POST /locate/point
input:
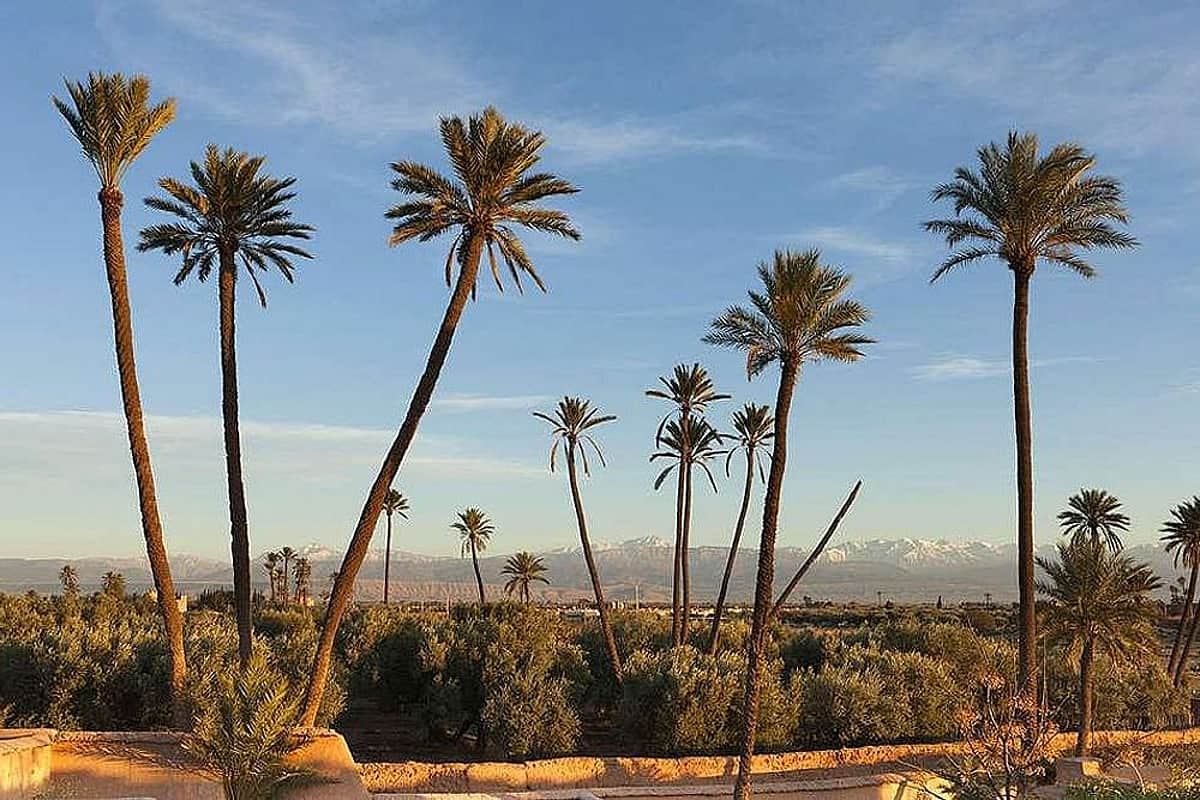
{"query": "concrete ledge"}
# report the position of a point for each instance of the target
(25, 762)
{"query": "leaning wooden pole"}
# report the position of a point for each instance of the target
(816, 552)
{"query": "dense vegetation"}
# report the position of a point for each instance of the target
(514, 680)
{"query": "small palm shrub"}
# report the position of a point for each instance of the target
(244, 735)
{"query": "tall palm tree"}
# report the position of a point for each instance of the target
(753, 426)
(1100, 604)
(475, 530)
(523, 568)
(113, 584)
(393, 503)
(800, 316)
(1094, 514)
(1022, 207)
(571, 422)
(690, 390)
(1181, 536)
(271, 567)
(686, 442)
(286, 555)
(303, 573)
(113, 120)
(69, 579)
(235, 212)
(496, 191)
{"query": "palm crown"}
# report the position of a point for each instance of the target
(474, 528)
(571, 420)
(753, 426)
(233, 208)
(799, 316)
(494, 192)
(113, 120)
(395, 503)
(1181, 533)
(687, 442)
(1094, 514)
(1100, 597)
(523, 568)
(689, 389)
(1021, 207)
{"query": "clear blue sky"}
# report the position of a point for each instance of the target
(703, 137)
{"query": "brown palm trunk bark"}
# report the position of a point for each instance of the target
(283, 579)
(1085, 700)
(764, 580)
(239, 532)
(111, 202)
(715, 634)
(676, 579)
(1184, 618)
(343, 586)
(1185, 650)
(1027, 643)
(685, 615)
(610, 641)
(387, 561)
(814, 555)
(478, 577)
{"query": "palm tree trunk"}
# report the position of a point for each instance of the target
(239, 533)
(478, 577)
(283, 579)
(1027, 645)
(131, 401)
(715, 634)
(610, 641)
(387, 560)
(1185, 650)
(1085, 699)
(685, 617)
(1184, 618)
(676, 580)
(343, 586)
(764, 580)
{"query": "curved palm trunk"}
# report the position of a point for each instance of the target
(1184, 617)
(676, 579)
(765, 578)
(478, 577)
(610, 641)
(1085, 699)
(343, 586)
(239, 532)
(1027, 645)
(131, 401)
(387, 561)
(715, 635)
(1185, 650)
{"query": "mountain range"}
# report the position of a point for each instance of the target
(902, 570)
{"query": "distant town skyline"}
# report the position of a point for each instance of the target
(757, 126)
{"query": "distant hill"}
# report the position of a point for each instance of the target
(903, 570)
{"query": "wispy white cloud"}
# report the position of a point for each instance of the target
(882, 184)
(855, 242)
(586, 141)
(480, 402)
(960, 367)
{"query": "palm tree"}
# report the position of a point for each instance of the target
(691, 391)
(687, 442)
(286, 555)
(523, 568)
(571, 422)
(1100, 604)
(496, 192)
(800, 316)
(303, 572)
(1094, 514)
(69, 579)
(475, 530)
(234, 212)
(1181, 535)
(753, 426)
(271, 567)
(393, 503)
(1021, 207)
(113, 585)
(113, 121)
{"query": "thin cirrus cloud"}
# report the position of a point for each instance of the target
(463, 403)
(347, 83)
(882, 185)
(960, 367)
